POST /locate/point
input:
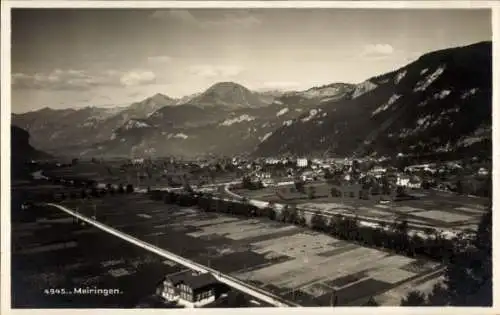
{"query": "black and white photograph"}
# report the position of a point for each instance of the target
(248, 157)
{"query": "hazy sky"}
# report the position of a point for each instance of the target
(105, 57)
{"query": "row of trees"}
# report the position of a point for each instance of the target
(89, 184)
(73, 182)
(394, 237)
(84, 193)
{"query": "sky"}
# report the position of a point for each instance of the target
(70, 58)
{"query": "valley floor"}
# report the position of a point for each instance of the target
(310, 268)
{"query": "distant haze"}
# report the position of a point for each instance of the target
(101, 57)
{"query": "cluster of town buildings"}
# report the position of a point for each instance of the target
(314, 165)
(310, 170)
(273, 171)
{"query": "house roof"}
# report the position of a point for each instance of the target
(193, 281)
(200, 281)
(348, 187)
(176, 278)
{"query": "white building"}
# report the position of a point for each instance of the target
(430, 168)
(263, 175)
(138, 161)
(382, 158)
(267, 182)
(317, 161)
(483, 171)
(409, 181)
(308, 176)
(377, 171)
(272, 161)
(302, 162)
(454, 165)
(403, 181)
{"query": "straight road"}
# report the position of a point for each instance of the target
(230, 281)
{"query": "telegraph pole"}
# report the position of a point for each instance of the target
(208, 255)
(333, 298)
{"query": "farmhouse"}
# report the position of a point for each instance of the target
(409, 181)
(189, 289)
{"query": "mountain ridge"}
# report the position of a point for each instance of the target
(393, 111)
(340, 118)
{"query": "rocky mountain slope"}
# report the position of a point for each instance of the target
(22, 152)
(440, 103)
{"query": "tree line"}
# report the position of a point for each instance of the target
(83, 189)
(395, 237)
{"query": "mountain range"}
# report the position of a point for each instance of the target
(438, 103)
